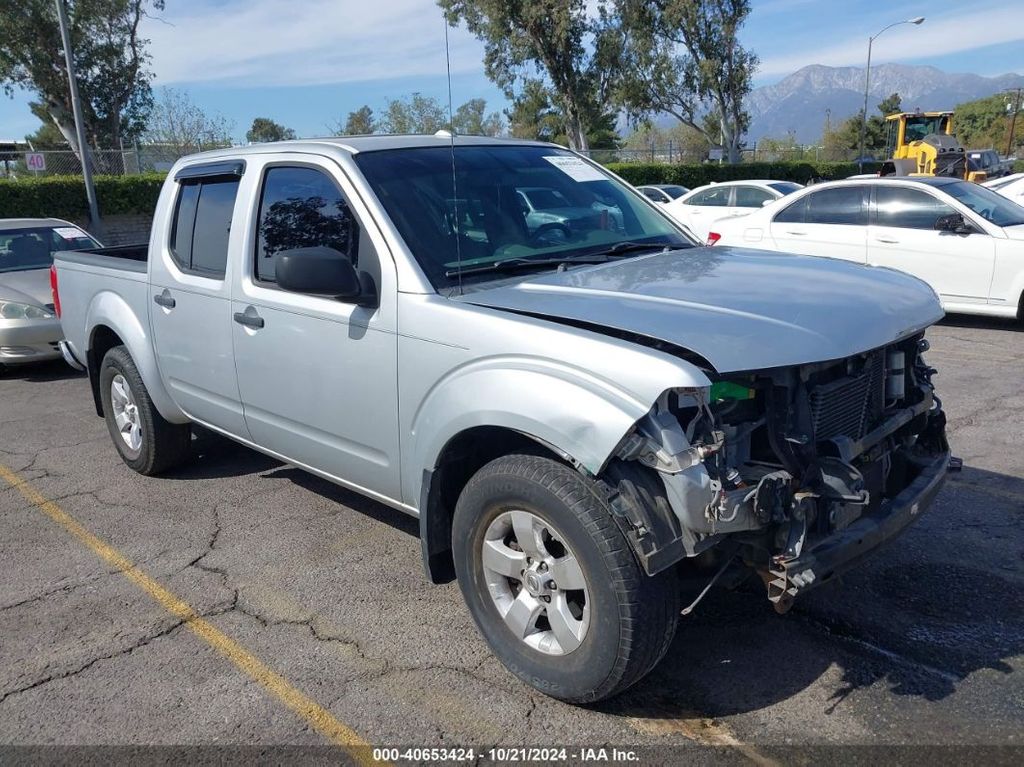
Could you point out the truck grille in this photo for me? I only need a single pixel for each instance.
(849, 406)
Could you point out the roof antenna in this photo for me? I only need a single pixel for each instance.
(451, 136)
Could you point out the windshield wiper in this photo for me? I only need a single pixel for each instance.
(516, 264)
(599, 257)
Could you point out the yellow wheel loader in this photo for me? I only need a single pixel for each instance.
(923, 144)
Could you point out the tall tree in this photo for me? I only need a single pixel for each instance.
(110, 60)
(358, 123)
(553, 36)
(264, 130)
(471, 119)
(181, 126)
(985, 123)
(415, 114)
(681, 57)
(532, 115)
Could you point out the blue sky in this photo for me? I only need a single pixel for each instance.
(305, 63)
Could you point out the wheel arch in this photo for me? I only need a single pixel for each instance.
(462, 457)
(113, 322)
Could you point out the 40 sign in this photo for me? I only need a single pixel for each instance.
(35, 161)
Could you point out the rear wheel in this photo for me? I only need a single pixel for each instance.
(551, 582)
(145, 440)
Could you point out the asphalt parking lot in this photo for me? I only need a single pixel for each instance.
(311, 591)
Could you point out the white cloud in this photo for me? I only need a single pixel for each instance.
(304, 42)
(974, 29)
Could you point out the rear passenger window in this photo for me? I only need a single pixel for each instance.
(841, 205)
(202, 224)
(302, 208)
(907, 208)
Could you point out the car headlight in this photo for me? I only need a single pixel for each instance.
(11, 310)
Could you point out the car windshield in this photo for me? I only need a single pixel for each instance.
(991, 206)
(498, 204)
(785, 187)
(33, 248)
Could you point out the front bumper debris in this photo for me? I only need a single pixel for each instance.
(845, 548)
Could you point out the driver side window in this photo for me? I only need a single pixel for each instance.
(302, 207)
(908, 208)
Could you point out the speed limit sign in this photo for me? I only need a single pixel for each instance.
(35, 160)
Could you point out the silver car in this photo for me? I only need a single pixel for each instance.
(29, 327)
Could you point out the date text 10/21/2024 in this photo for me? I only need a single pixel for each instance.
(499, 754)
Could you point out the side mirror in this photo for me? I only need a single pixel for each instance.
(953, 222)
(323, 271)
(766, 202)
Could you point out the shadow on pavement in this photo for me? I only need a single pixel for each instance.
(982, 323)
(37, 372)
(940, 603)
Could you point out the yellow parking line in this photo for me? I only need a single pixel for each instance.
(318, 717)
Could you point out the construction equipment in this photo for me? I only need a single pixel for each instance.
(923, 144)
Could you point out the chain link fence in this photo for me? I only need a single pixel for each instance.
(684, 155)
(20, 161)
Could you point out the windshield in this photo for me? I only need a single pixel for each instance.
(920, 126)
(24, 249)
(991, 206)
(509, 203)
(784, 187)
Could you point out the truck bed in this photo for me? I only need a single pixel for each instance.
(127, 257)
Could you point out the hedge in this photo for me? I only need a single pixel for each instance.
(64, 196)
(697, 175)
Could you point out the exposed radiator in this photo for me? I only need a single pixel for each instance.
(849, 406)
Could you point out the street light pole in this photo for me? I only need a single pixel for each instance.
(76, 106)
(1013, 120)
(867, 85)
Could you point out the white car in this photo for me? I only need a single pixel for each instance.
(1011, 186)
(964, 240)
(699, 207)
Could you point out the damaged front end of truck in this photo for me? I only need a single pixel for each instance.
(796, 472)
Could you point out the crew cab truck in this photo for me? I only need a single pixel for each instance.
(573, 413)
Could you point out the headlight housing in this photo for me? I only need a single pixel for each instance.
(11, 310)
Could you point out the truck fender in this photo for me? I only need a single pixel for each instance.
(573, 413)
(108, 309)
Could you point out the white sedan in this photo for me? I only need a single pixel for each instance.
(1011, 187)
(964, 240)
(699, 207)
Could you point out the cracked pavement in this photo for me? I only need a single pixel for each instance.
(922, 645)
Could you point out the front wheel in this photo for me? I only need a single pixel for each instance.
(552, 585)
(145, 440)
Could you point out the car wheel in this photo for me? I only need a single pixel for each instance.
(146, 441)
(552, 584)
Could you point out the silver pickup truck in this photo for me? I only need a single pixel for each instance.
(578, 413)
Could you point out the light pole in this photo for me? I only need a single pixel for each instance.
(76, 106)
(1013, 118)
(867, 85)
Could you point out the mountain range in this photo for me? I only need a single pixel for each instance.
(798, 103)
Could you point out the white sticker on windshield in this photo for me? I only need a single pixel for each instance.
(69, 232)
(575, 168)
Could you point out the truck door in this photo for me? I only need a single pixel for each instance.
(318, 377)
(190, 313)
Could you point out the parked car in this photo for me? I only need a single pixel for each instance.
(988, 160)
(963, 239)
(569, 421)
(29, 328)
(1011, 187)
(699, 207)
(662, 193)
(548, 210)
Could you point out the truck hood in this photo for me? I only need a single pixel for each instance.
(31, 284)
(737, 308)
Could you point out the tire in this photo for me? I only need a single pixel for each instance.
(622, 621)
(161, 445)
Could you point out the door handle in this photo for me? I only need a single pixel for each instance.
(165, 299)
(887, 241)
(797, 234)
(249, 318)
